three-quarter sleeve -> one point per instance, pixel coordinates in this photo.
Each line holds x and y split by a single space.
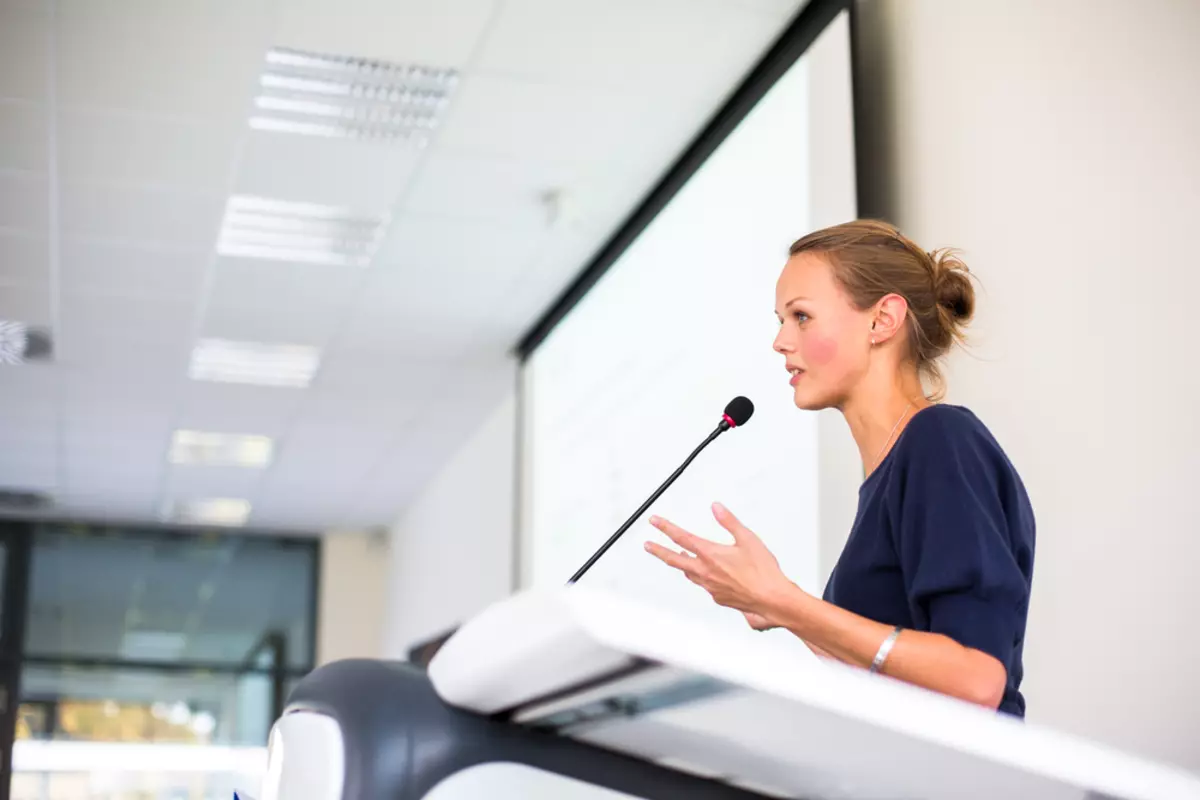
960 568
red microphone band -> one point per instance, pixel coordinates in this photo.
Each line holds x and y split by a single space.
729 419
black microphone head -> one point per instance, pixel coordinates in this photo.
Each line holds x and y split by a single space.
739 411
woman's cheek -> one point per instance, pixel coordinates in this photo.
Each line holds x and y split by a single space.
819 350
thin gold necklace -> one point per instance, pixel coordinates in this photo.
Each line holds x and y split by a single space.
888 441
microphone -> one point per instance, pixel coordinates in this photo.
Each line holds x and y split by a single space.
738 412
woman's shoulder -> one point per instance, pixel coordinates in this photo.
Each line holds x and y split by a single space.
943 427
947 418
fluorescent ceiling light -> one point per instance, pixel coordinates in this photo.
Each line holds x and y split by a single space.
228 511
14 340
315 94
220 449
279 230
251 362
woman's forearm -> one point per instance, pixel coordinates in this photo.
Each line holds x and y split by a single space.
930 660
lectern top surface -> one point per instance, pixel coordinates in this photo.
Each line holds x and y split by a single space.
761 712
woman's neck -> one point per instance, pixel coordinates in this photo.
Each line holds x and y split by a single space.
879 411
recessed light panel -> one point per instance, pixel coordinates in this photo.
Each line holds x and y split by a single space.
314 94
279 230
254 363
227 511
221 449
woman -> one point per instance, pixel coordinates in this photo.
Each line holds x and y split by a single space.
933 584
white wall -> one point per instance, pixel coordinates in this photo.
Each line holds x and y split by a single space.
452 551
1058 143
352 596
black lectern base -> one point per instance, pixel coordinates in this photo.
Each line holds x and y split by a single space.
401 740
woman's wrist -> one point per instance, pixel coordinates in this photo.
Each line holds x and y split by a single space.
784 604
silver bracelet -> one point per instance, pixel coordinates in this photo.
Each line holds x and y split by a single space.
884 649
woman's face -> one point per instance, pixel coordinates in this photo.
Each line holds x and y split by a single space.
821 333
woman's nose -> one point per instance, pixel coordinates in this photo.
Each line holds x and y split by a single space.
782 343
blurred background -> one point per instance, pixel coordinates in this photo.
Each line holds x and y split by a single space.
323 325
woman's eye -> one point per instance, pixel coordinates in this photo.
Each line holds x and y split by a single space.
800 316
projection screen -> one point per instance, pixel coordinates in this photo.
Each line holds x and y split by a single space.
636 374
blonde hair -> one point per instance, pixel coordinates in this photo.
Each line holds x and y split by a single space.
871 259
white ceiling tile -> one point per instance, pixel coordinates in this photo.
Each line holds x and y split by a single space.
357 372
780 10
424 246
557 265
533 121
348 440
92 318
24 202
187 57
428 417
137 214
28 473
127 402
23 137
124 467
322 461
29 304
29 392
131 148
35 466
194 482
248 323
143 409
88 425
106 505
266 411
335 476
629 43
442 33
91 265
384 334
134 449
24 30
24 259
269 285
437 272
366 177
112 445
474 187
337 407
120 356
278 302
25 435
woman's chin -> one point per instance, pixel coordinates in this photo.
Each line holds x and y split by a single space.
808 400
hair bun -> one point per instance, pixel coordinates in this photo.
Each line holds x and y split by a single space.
952 286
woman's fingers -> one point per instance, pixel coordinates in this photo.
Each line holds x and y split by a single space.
679 536
741 534
680 561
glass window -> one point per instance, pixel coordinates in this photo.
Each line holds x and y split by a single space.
151 659
105 704
142 596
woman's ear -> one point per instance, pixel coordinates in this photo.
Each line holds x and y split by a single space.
890 314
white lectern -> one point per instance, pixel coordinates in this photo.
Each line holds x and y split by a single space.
636 700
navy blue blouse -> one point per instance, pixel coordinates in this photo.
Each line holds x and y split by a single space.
943 541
